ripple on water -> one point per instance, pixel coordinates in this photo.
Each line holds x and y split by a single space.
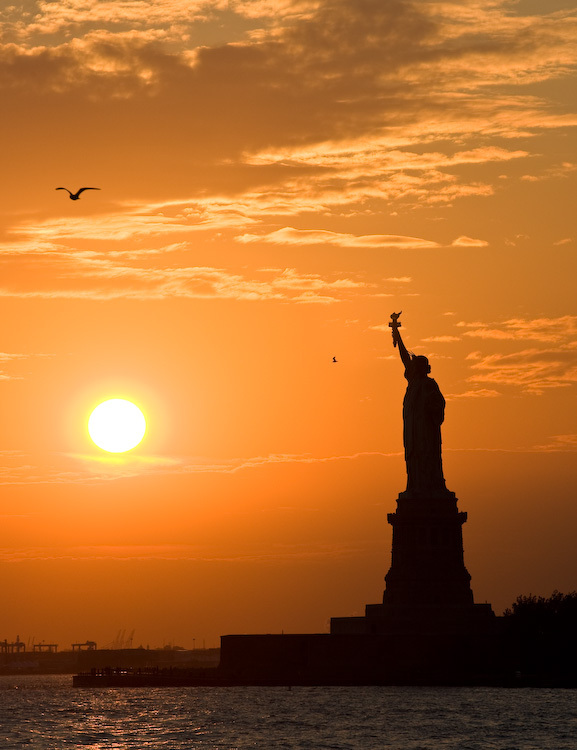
46 713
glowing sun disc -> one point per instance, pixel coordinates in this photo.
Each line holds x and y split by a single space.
116 425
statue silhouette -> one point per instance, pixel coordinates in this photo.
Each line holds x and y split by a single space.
423 415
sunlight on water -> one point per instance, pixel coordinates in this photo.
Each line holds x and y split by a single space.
46 713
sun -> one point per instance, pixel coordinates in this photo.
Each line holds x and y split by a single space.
117 425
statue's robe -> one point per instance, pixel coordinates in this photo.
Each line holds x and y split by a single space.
423 415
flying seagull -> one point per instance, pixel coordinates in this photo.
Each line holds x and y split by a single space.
75 196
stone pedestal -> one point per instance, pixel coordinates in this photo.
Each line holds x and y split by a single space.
426 631
428 586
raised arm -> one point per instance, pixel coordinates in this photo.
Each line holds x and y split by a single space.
405 356
394 325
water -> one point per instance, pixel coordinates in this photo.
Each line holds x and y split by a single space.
46 713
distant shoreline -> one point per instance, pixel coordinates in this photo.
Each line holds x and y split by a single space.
217 678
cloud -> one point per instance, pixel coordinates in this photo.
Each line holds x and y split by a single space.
251 463
163 19
337 106
551 330
291 236
560 444
147 221
88 274
533 370
358 158
555 171
329 71
442 339
474 394
91 469
181 552
469 242
490 333
9 358
168 20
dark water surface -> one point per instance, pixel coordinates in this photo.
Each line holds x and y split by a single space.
46 713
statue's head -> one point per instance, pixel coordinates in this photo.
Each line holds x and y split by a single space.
421 365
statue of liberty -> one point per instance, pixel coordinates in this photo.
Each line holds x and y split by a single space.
423 415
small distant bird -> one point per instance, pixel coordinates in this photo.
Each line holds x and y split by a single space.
76 196
335 359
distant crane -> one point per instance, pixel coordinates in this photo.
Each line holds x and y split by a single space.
122 640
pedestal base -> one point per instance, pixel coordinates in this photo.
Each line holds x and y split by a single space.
428 586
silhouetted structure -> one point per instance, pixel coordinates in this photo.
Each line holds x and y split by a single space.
51 648
423 415
427 629
86 646
14 647
427 587
86 657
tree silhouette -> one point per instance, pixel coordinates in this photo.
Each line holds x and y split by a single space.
540 635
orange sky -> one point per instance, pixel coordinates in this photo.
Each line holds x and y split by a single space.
277 177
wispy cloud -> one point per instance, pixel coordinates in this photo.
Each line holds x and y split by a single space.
147 221
160 20
560 444
96 469
164 20
80 274
464 241
349 100
356 158
473 394
272 553
12 358
441 339
291 236
555 171
533 370
551 330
